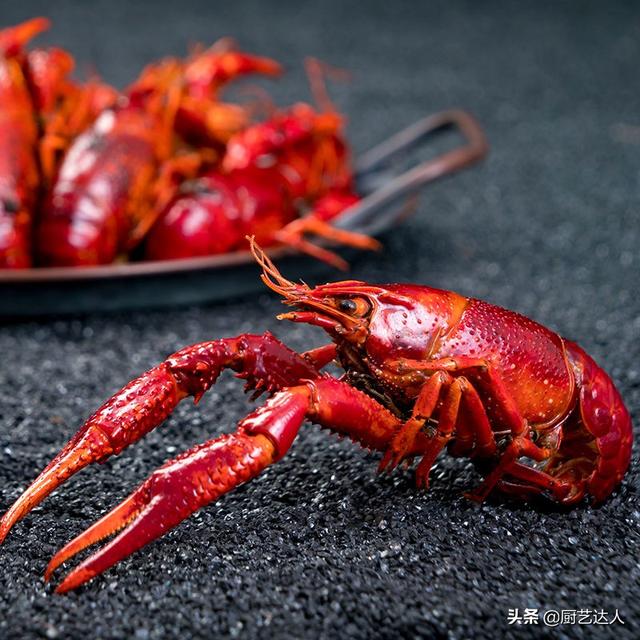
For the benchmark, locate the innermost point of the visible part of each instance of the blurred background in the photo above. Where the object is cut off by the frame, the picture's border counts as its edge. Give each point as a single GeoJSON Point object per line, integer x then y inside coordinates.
{"type": "Point", "coordinates": [548, 225]}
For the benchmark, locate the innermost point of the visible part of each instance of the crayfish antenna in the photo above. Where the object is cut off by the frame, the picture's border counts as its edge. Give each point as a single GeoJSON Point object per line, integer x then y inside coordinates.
{"type": "Point", "coordinates": [272, 277]}
{"type": "Point", "coordinates": [317, 71]}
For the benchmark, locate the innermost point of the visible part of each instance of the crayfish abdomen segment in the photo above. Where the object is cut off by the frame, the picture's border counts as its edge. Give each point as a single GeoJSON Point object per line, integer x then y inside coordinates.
{"type": "Point", "coordinates": [595, 449]}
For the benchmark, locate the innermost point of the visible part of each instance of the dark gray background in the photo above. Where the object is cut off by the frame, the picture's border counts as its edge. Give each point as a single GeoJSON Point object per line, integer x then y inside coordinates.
{"type": "Point", "coordinates": [319, 546]}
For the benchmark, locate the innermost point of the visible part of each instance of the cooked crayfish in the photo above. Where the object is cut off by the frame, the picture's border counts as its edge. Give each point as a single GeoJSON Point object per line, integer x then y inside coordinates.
{"type": "Point", "coordinates": [166, 169]}
{"type": "Point", "coordinates": [85, 172]}
{"type": "Point", "coordinates": [214, 213]}
{"type": "Point", "coordinates": [18, 150]}
{"type": "Point", "coordinates": [117, 176]}
{"type": "Point", "coordinates": [424, 368]}
{"type": "Point", "coordinates": [279, 181]}
{"type": "Point", "coordinates": [41, 110]}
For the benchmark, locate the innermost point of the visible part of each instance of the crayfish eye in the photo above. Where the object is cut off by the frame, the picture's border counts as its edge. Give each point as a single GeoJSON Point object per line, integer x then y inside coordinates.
{"type": "Point", "coordinates": [358, 307]}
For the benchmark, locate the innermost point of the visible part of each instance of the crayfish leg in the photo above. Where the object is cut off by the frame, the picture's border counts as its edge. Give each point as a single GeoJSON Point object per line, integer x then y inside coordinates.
{"type": "Point", "coordinates": [13, 39]}
{"type": "Point", "coordinates": [321, 356]}
{"type": "Point", "coordinates": [525, 482]}
{"type": "Point", "coordinates": [508, 464]}
{"type": "Point", "coordinates": [404, 441]}
{"type": "Point", "coordinates": [293, 235]}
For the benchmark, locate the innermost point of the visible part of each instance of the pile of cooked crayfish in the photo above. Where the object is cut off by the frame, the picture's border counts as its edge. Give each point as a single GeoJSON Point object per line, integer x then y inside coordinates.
{"type": "Point", "coordinates": [164, 169]}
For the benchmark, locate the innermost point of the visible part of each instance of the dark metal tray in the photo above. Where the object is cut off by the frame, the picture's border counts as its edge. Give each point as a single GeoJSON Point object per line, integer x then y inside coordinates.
{"type": "Point", "coordinates": [389, 189]}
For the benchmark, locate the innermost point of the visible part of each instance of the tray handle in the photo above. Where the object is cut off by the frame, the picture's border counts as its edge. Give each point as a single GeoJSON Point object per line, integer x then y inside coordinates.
{"type": "Point", "coordinates": [373, 213]}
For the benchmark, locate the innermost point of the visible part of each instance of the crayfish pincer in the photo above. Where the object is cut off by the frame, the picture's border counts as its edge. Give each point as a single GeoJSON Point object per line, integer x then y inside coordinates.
{"type": "Point", "coordinates": [424, 369]}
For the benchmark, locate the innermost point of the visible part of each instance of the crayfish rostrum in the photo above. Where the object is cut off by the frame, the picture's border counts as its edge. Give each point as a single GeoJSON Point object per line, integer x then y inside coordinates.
{"type": "Point", "coordinates": [425, 369]}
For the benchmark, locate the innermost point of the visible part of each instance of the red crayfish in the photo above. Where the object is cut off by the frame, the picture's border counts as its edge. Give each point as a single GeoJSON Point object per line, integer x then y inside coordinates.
{"type": "Point", "coordinates": [41, 110]}
{"type": "Point", "coordinates": [116, 177]}
{"type": "Point", "coordinates": [297, 161]}
{"type": "Point", "coordinates": [165, 169]}
{"type": "Point", "coordinates": [424, 369]}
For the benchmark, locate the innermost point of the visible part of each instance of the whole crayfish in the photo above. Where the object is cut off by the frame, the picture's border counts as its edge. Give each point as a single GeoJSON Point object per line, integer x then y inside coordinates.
{"type": "Point", "coordinates": [41, 109]}
{"type": "Point", "coordinates": [424, 369]}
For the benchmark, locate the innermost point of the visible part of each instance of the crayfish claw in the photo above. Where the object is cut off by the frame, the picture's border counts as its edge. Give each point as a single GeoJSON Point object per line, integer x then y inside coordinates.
{"type": "Point", "coordinates": [170, 494]}
{"type": "Point", "coordinates": [80, 452]}
{"type": "Point", "coordinates": [116, 519]}
{"type": "Point", "coordinates": [149, 399]}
